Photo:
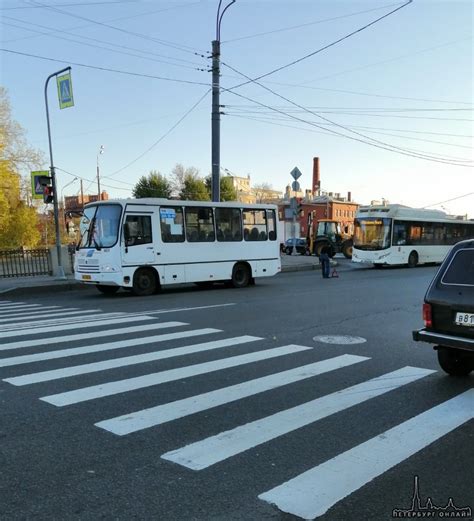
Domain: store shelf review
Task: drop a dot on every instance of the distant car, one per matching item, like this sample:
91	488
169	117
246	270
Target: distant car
301	246
448	311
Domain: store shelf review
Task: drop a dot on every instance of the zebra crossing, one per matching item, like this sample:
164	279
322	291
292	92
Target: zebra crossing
307	495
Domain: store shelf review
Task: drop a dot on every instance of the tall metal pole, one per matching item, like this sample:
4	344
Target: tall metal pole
216	122
98	180
60	271
216	115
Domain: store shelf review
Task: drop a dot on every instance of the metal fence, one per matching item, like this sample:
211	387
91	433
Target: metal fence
25	263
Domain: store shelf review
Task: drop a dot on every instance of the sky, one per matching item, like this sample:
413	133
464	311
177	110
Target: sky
388	109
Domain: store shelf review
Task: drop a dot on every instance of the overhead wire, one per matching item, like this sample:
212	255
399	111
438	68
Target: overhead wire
95	46
307	24
372	142
159	41
107	69
321	49
182	118
449	200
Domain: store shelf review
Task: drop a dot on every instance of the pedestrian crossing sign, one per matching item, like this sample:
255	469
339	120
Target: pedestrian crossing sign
65	91
37	187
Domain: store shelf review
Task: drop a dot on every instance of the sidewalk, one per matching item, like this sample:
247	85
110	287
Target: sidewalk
44	284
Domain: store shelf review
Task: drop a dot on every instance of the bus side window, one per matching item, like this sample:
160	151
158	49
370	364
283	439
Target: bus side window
228	225
171	221
137	230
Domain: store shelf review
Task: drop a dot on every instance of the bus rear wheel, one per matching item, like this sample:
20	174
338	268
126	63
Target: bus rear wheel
241	275
412	259
144	282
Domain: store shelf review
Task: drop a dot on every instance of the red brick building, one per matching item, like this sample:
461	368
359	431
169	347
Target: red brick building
317	205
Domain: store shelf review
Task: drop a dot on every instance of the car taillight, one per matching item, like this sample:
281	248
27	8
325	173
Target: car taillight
427	315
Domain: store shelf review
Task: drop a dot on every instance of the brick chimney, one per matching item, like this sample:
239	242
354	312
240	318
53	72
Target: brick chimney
349	196
316	178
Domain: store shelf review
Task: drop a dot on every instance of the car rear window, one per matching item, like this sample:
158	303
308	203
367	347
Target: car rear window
461	269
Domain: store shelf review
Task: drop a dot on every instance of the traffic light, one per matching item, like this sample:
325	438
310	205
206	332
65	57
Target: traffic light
48	194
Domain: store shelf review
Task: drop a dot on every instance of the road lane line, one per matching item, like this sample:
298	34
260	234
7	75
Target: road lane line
94	367
84	324
45	315
167	412
99	348
314	492
207	452
140	382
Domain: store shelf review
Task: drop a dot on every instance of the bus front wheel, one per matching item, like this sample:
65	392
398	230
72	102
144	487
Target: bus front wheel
144	282
241	275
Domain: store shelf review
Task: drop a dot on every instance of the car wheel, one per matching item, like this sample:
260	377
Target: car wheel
455	362
241	275
144	282
413	259
107	290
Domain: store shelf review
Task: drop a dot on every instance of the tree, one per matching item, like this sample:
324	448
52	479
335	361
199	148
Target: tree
188	184
261	191
194	189
18	220
153	185
227	190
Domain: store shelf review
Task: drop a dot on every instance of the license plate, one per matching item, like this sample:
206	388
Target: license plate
86	277
464	319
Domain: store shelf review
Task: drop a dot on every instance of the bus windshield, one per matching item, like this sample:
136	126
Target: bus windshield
99	226
372	233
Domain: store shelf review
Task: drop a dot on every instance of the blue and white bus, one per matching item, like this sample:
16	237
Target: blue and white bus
142	244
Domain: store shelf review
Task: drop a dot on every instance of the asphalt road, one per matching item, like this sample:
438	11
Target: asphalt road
266	419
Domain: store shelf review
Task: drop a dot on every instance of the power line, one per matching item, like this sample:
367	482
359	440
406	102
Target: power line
307	24
372	141
68	32
294	62
128	73
449	200
162	137
95	46
165	43
128	17
68	5
271	120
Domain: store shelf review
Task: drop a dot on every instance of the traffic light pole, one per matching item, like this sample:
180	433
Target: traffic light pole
60	270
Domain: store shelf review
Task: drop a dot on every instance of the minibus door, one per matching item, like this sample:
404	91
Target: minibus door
137	237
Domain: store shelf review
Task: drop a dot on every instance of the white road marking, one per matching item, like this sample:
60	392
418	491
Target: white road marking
99	348
26	307
80	325
154	416
56	374
314	492
159	311
7	302
140	382
339	339
42	316
214	449
39	324
7	313
46	342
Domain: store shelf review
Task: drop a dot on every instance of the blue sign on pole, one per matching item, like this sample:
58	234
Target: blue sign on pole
65	91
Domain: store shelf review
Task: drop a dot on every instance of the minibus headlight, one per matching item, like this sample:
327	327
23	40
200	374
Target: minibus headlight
108	268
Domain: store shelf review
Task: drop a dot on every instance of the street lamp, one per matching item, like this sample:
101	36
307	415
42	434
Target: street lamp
100	152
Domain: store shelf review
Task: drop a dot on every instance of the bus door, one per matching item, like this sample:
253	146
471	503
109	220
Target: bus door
137	236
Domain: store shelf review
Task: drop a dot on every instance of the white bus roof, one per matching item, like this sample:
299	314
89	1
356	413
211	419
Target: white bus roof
399	211
155	201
